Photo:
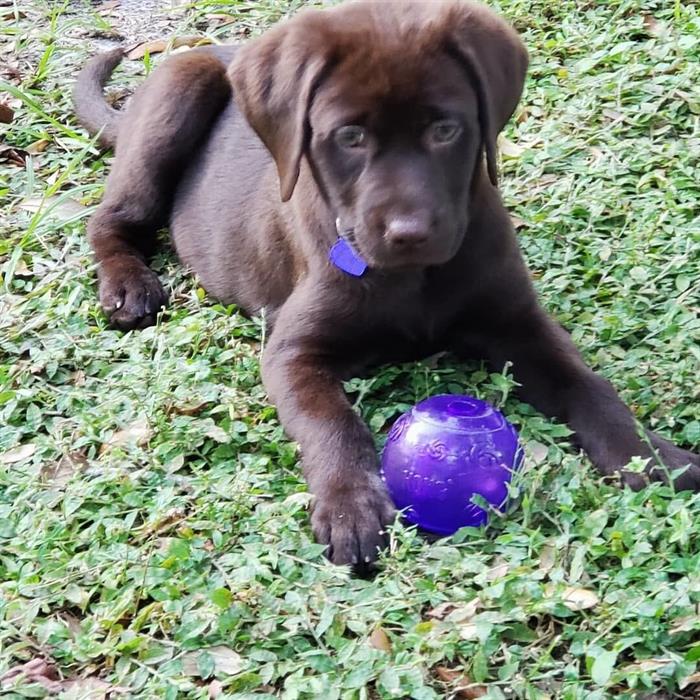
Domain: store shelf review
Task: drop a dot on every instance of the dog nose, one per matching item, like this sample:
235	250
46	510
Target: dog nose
407	231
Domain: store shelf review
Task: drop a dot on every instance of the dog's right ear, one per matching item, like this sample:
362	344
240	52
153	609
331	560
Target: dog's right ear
274	78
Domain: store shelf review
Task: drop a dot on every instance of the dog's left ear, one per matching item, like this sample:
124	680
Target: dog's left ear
496	61
274	77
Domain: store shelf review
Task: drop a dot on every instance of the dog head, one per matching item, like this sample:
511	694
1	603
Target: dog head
394	103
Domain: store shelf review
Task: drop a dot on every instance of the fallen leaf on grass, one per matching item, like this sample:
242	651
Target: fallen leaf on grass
166	522
220	18
55	205
44	673
215	689
138	433
188	409
90	688
108	6
440	612
22	269
653	26
689	680
60	473
379	640
614	115
464	613
496	572
462	686
13	15
686	623
547	558
217	433
517	222
456	612
13	156
35	671
575	598
160	45
646	665
38	147
508	148
7	114
71	622
18	454
226	661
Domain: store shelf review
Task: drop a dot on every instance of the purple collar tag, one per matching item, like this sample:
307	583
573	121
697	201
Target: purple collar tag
345	258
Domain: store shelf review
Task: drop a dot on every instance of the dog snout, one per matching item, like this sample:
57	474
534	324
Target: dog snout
407	231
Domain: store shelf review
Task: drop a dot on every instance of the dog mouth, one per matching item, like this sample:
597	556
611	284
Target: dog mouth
430	254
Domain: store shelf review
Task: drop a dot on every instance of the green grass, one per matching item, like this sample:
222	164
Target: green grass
153	523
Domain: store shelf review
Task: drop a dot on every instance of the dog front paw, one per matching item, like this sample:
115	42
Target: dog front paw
352	521
672	459
131	294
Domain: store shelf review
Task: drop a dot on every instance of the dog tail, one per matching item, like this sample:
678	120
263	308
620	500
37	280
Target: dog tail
91	108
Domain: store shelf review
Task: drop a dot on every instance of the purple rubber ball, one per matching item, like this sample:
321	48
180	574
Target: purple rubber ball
441	453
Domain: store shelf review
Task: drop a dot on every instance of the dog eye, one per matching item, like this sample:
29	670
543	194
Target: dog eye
351	136
444	131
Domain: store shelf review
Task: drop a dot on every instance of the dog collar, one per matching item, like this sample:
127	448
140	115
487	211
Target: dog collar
345	257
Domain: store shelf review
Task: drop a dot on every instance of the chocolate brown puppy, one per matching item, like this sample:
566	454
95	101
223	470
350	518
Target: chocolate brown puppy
340	173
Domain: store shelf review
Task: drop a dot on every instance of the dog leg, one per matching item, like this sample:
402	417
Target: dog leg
169	115
556	381
352	508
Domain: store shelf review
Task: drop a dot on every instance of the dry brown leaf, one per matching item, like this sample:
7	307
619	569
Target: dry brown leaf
575	598
460	683
496	572
468	631
38	147
523	114
614	115
7	114
57	206
686	623
138	433
18	454
547	558
44	672
508	149
653	26
464	613
517	222
71	622
220	18
22	269
597	154
108	7
90	688
60	473
12	155
215	689
38	671
226	661
455	612
440	612
189	409
14	15
166	522
689	680
379	640
160	45
646	665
